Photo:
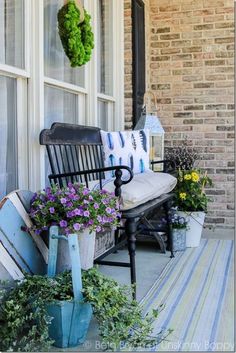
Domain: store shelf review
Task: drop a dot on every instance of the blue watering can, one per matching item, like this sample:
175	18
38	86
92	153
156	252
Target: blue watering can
71	319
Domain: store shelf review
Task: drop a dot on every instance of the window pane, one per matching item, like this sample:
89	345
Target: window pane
60	106
103	115
104	47
57	65
8	137
12	32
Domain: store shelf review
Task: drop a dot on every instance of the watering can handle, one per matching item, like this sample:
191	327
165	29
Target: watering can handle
74	255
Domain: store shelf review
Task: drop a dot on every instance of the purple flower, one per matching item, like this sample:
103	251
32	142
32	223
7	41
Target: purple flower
77	226
86	213
48	190
51	198
67	231
70	214
52	210
69	204
63	224
98	229
90	197
91	222
85	192
96	206
63	201
86	202
105	201
99	218
37	231
108	210
78	212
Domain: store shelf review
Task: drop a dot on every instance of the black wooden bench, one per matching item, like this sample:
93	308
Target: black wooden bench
75	154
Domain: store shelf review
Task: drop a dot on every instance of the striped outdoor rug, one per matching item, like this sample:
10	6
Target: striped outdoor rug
196	289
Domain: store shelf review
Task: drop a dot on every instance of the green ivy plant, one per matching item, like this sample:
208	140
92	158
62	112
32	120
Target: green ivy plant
77	38
24	321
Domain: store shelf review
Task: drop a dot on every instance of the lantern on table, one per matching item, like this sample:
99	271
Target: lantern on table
150	120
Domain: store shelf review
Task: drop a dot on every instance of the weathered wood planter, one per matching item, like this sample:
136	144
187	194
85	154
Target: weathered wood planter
71	319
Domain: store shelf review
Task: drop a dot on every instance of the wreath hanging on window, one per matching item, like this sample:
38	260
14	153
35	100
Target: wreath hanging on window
76	33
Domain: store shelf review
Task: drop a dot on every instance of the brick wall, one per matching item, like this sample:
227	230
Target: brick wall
190	69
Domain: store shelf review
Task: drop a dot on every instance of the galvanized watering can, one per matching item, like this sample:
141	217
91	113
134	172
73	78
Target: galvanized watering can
71	319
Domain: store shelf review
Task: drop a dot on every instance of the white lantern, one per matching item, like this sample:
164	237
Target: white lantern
151	121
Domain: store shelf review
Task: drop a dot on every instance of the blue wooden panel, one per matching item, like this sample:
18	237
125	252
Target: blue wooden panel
75	265
80	321
18	243
25	196
52	256
59	330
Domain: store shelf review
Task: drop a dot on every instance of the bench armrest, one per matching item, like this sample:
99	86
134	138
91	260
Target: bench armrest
98	173
168	165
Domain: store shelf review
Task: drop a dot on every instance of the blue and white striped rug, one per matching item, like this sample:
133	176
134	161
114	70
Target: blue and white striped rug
197	290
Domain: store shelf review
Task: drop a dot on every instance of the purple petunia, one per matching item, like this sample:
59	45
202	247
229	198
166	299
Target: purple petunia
99	218
74	208
63	201
77	226
86	213
63	224
108	210
78	212
52	210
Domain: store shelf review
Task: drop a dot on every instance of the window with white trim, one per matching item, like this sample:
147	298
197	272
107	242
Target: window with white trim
39	87
13	92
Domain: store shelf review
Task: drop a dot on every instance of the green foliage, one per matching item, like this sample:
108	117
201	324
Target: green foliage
24	320
77	38
190	190
120	319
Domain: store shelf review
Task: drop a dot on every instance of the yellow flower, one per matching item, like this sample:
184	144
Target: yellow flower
182	195
187	177
195	177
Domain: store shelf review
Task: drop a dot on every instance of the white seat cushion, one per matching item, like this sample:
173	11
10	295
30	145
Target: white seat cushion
142	188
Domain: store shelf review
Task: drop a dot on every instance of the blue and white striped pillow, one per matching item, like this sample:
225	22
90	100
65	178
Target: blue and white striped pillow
130	148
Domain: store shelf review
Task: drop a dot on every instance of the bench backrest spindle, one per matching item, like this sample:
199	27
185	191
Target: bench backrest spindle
71	149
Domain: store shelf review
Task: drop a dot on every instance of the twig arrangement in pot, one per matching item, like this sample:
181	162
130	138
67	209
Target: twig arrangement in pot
75	32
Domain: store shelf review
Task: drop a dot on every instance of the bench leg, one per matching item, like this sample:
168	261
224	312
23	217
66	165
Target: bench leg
166	207
131	228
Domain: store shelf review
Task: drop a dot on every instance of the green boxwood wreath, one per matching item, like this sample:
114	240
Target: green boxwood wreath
77	38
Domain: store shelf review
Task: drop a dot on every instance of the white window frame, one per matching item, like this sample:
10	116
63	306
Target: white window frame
21	76
30	89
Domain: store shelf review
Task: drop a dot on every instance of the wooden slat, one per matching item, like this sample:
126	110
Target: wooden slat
75	265
9	264
13	197
53	246
18	243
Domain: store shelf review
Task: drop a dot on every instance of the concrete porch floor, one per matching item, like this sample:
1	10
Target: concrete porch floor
149	265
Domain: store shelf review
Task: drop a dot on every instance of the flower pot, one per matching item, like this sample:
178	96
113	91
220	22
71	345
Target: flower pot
86	249
194	228
70	322
179	239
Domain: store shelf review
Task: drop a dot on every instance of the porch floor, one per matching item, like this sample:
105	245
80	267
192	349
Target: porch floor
149	264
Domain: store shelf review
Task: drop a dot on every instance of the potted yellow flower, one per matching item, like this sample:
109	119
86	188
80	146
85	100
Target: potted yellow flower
191	202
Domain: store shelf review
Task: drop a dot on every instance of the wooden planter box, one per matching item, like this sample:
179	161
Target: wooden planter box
70	318
70	322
